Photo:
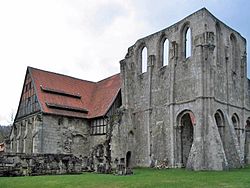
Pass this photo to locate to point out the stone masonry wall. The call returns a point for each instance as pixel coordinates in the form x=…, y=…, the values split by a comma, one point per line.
x=213, y=78
x=40, y=164
x=50, y=134
x=26, y=135
x=65, y=135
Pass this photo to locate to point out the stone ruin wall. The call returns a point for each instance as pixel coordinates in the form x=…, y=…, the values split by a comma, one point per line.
x=208, y=80
x=50, y=134
x=56, y=135
x=41, y=164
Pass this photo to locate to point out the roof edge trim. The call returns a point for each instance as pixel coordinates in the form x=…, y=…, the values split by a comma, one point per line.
x=68, y=108
x=60, y=92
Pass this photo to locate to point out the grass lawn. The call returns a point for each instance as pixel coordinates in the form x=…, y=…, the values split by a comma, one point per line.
x=143, y=177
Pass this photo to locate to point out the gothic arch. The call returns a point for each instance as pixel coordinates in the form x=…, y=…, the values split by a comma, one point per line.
x=236, y=123
x=184, y=136
x=143, y=58
x=186, y=37
x=220, y=122
x=164, y=46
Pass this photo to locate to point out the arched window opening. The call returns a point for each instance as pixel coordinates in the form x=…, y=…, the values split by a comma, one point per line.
x=233, y=51
x=235, y=120
x=219, y=119
x=165, y=50
x=188, y=43
x=144, y=60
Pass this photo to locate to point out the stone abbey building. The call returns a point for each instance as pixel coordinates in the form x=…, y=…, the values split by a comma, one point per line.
x=182, y=98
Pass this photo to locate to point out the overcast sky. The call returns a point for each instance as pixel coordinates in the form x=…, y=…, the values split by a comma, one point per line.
x=87, y=38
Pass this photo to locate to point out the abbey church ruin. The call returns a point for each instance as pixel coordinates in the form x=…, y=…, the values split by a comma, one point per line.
x=193, y=110
x=182, y=99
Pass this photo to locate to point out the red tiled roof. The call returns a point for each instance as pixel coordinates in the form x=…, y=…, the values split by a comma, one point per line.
x=65, y=95
x=102, y=100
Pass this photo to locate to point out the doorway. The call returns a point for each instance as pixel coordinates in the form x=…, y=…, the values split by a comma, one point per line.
x=184, y=137
x=128, y=159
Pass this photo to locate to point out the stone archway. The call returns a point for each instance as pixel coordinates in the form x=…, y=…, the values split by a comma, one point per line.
x=219, y=119
x=247, y=142
x=236, y=123
x=184, y=136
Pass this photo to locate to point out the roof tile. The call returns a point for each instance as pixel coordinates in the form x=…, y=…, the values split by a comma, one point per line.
x=61, y=90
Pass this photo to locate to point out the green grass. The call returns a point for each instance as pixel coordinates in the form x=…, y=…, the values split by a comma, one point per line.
x=143, y=177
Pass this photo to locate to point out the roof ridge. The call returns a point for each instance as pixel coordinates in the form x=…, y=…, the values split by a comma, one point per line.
x=59, y=74
x=108, y=78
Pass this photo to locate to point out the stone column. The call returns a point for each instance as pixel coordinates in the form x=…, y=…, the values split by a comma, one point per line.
x=172, y=65
x=25, y=136
x=19, y=137
x=149, y=110
x=244, y=85
x=36, y=141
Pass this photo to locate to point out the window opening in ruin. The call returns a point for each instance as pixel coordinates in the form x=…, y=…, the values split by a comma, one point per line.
x=184, y=137
x=233, y=51
x=235, y=120
x=128, y=159
x=165, y=52
x=219, y=119
x=188, y=43
x=60, y=121
x=122, y=160
x=144, y=59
